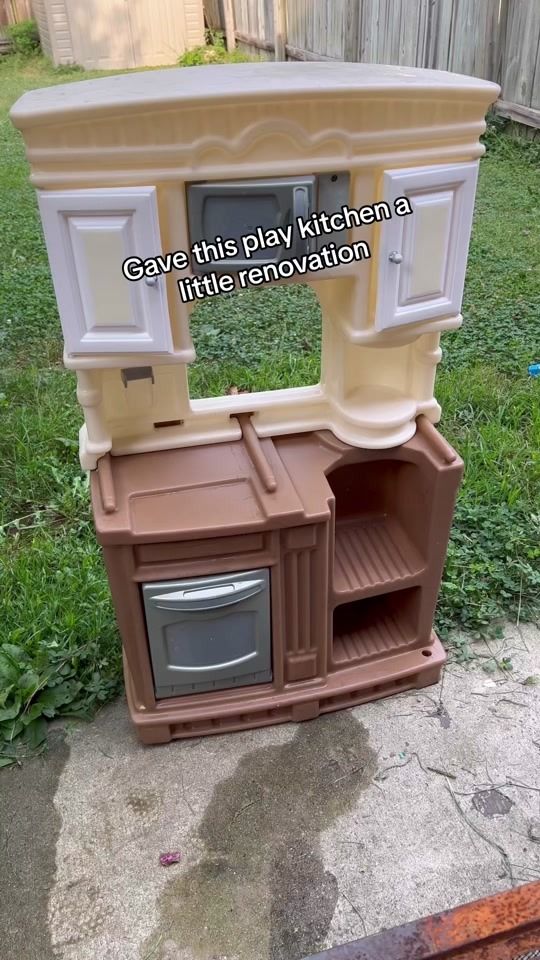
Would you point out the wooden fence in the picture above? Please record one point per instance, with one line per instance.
(494, 39)
(13, 11)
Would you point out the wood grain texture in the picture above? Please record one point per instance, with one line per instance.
(15, 11)
(494, 39)
(521, 59)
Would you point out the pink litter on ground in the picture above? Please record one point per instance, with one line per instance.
(167, 859)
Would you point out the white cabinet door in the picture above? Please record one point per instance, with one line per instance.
(423, 255)
(89, 233)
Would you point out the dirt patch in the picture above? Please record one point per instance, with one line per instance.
(491, 803)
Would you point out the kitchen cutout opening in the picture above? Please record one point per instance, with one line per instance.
(252, 340)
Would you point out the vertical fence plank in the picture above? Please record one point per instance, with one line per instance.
(501, 39)
(351, 30)
(370, 31)
(303, 24)
(212, 12)
(280, 29)
(521, 62)
(15, 11)
(267, 27)
(228, 14)
(331, 41)
(441, 50)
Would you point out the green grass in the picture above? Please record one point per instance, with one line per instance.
(213, 51)
(491, 407)
(59, 650)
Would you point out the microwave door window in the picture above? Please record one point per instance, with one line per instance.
(232, 210)
(233, 217)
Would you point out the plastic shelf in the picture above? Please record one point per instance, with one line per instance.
(373, 555)
(375, 628)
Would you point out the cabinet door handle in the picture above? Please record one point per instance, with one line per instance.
(151, 281)
(395, 257)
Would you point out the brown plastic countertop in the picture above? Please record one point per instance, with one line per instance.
(219, 489)
(196, 492)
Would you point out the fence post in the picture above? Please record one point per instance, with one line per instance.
(280, 29)
(499, 58)
(228, 14)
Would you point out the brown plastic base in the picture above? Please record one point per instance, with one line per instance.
(354, 541)
(251, 708)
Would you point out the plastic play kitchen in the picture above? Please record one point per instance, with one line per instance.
(275, 555)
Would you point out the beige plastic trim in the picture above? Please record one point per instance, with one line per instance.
(166, 128)
(245, 83)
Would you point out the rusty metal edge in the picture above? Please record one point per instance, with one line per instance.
(499, 927)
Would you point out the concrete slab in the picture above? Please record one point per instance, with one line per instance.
(29, 828)
(293, 838)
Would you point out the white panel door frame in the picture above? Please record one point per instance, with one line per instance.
(127, 215)
(445, 192)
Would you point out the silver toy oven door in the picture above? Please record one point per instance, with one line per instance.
(209, 633)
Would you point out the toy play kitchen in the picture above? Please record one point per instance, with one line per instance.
(275, 555)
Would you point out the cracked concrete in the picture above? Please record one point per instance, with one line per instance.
(293, 838)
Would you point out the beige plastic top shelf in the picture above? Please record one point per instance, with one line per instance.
(245, 81)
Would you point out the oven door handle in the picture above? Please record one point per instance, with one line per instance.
(208, 598)
(214, 667)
